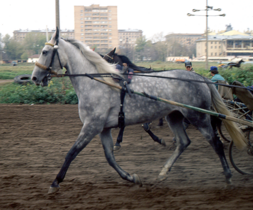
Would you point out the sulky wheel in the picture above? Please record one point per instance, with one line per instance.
(242, 160)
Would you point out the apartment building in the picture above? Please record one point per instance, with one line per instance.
(19, 35)
(97, 26)
(127, 38)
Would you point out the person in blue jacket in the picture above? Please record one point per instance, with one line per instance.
(215, 75)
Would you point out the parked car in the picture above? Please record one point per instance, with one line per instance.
(13, 63)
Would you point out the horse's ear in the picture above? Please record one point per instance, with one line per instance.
(113, 52)
(55, 37)
(57, 33)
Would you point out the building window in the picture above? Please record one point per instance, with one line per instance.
(238, 44)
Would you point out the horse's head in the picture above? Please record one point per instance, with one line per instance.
(50, 61)
(112, 57)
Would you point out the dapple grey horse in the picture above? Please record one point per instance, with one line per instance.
(99, 104)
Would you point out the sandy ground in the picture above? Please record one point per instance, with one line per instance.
(2, 82)
(36, 138)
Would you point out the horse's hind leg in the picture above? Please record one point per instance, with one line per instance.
(175, 121)
(146, 127)
(106, 139)
(210, 133)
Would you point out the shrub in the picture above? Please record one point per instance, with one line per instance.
(58, 91)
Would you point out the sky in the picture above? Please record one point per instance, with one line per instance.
(152, 17)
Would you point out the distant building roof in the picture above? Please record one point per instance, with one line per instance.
(228, 36)
(43, 30)
(129, 30)
(232, 33)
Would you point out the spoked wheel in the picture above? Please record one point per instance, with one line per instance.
(223, 133)
(242, 160)
(240, 113)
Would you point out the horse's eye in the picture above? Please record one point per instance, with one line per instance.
(44, 52)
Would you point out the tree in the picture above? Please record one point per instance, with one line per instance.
(33, 43)
(12, 48)
(140, 46)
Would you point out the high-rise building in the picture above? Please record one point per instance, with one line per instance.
(97, 26)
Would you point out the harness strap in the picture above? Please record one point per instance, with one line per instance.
(41, 66)
(121, 119)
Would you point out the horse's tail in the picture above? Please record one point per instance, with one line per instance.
(232, 128)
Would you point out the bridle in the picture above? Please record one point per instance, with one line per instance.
(106, 55)
(49, 68)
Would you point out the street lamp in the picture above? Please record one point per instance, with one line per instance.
(207, 9)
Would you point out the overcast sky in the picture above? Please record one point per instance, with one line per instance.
(152, 17)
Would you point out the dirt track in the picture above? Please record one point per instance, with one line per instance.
(35, 140)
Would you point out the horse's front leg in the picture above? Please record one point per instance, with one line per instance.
(107, 141)
(86, 135)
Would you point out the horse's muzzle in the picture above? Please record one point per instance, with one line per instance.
(43, 83)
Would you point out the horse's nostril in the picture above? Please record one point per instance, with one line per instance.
(34, 79)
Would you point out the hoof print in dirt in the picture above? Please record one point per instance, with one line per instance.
(23, 79)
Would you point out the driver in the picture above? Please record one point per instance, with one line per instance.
(188, 66)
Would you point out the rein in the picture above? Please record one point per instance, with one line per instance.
(162, 77)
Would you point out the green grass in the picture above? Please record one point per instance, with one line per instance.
(9, 72)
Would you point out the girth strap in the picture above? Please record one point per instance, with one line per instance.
(124, 89)
(121, 120)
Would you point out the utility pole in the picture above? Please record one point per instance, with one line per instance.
(46, 33)
(207, 8)
(57, 14)
(206, 34)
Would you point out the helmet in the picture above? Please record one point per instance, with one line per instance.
(188, 63)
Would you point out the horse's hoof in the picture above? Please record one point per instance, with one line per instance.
(137, 180)
(161, 178)
(229, 181)
(116, 147)
(53, 189)
(163, 142)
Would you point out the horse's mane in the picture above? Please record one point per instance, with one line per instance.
(125, 59)
(101, 65)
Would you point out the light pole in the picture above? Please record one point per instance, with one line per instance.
(207, 9)
(57, 14)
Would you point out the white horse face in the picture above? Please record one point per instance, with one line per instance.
(41, 69)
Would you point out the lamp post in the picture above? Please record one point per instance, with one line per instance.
(207, 9)
(57, 14)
